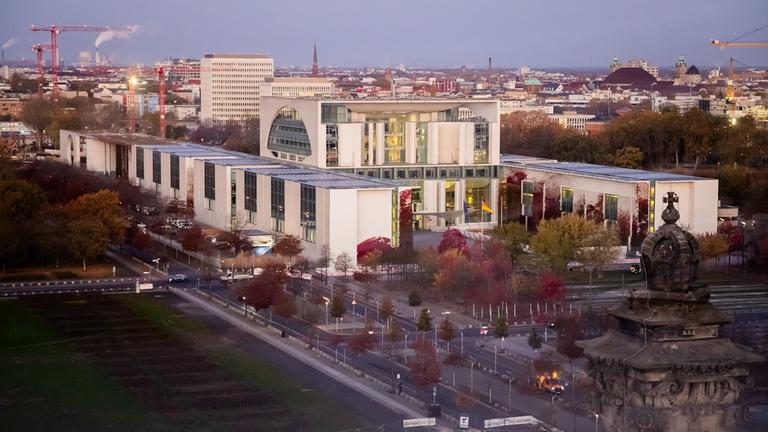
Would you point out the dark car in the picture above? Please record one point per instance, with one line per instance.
(177, 278)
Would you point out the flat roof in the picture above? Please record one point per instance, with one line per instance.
(593, 170)
(322, 178)
(126, 139)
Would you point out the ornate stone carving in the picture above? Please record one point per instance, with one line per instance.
(666, 367)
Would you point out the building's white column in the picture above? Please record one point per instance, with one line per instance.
(410, 142)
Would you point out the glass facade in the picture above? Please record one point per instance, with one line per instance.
(139, 162)
(332, 145)
(527, 192)
(250, 191)
(365, 145)
(175, 172)
(278, 204)
(481, 143)
(308, 204)
(566, 200)
(611, 212)
(156, 167)
(335, 113)
(288, 134)
(422, 134)
(477, 191)
(394, 140)
(209, 179)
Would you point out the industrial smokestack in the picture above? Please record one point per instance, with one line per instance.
(490, 63)
(98, 57)
(2, 56)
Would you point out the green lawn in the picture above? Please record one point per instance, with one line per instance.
(45, 385)
(324, 414)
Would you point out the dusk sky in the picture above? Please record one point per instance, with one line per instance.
(444, 33)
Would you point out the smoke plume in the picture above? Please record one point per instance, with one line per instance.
(9, 43)
(108, 35)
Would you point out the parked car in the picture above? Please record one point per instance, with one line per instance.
(635, 269)
(177, 278)
(229, 277)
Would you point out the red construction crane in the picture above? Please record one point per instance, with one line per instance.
(39, 49)
(131, 107)
(161, 98)
(55, 30)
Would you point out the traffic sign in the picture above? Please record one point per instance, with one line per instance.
(509, 421)
(463, 422)
(484, 330)
(419, 422)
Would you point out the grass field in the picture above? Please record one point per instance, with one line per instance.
(326, 415)
(47, 384)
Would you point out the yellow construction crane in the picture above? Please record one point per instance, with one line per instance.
(730, 92)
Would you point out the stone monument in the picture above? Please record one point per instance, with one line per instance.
(665, 367)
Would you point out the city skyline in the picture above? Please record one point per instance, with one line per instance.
(420, 34)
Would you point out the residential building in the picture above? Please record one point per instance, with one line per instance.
(14, 135)
(572, 120)
(444, 150)
(297, 87)
(11, 106)
(230, 86)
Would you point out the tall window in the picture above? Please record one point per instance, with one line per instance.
(209, 186)
(175, 173)
(331, 145)
(139, 162)
(394, 142)
(421, 142)
(527, 198)
(156, 167)
(611, 212)
(481, 143)
(308, 213)
(566, 200)
(250, 195)
(278, 205)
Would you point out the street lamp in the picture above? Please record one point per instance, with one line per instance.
(327, 301)
(597, 416)
(245, 305)
(405, 348)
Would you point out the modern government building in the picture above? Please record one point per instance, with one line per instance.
(335, 171)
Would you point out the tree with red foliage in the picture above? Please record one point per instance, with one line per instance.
(266, 289)
(406, 219)
(550, 288)
(286, 308)
(362, 342)
(453, 239)
(288, 246)
(425, 367)
(192, 239)
(139, 239)
(179, 208)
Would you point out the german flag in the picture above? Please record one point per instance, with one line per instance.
(485, 208)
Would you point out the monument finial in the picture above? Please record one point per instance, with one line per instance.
(670, 214)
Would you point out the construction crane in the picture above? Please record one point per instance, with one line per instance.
(730, 96)
(131, 107)
(54, 30)
(161, 98)
(39, 49)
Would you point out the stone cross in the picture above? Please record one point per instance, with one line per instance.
(671, 198)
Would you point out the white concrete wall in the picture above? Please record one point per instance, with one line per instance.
(449, 137)
(374, 214)
(343, 231)
(350, 137)
(698, 198)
